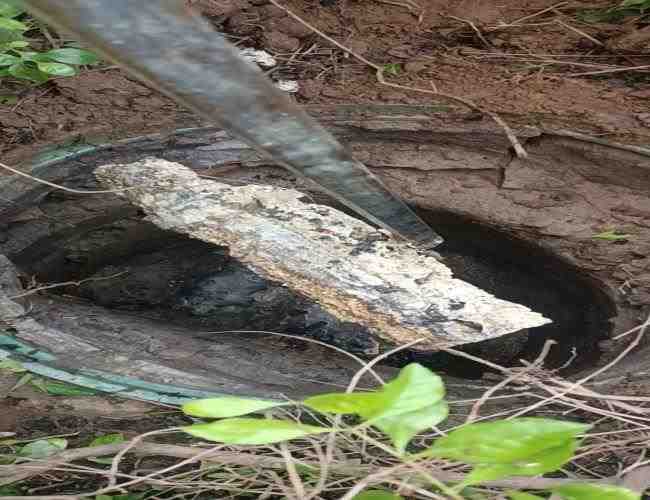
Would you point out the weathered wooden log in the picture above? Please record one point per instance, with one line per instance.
(353, 270)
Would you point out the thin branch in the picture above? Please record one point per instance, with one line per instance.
(607, 71)
(57, 186)
(513, 376)
(32, 291)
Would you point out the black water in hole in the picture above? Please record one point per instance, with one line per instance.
(514, 270)
(198, 285)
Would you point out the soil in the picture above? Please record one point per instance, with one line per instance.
(525, 70)
(521, 69)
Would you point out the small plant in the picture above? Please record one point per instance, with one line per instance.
(616, 13)
(392, 68)
(408, 405)
(19, 61)
(612, 235)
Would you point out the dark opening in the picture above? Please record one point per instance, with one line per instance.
(188, 282)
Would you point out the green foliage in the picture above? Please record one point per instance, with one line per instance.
(43, 448)
(517, 447)
(117, 437)
(61, 388)
(642, 5)
(17, 60)
(226, 407)
(612, 235)
(9, 491)
(252, 430)
(586, 491)
(409, 404)
(377, 495)
(11, 366)
(392, 68)
(617, 13)
(404, 407)
(102, 440)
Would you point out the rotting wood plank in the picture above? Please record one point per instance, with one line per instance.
(356, 272)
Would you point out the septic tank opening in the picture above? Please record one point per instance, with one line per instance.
(139, 268)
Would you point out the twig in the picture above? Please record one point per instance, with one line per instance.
(66, 283)
(543, 11)
(580, 32)
(519, 149)
(614, 70)
(119, 456)
(513, 376)
(476, 30)
(24, 471)
(294, 477)
(46, 33)
(594, 374)
(57, 186)
(367, 366)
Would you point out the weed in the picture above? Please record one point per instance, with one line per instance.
(20, 61)
(617, 13)
(401, 409)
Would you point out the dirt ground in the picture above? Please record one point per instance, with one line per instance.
(524, 59)
(511, 58)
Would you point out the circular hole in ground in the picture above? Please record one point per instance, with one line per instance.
(166, 276)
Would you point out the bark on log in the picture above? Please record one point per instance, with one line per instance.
(354, 271)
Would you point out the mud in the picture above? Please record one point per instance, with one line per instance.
(525, 251)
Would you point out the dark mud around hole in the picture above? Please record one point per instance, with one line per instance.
(167, 277)
(193, 284)
(521, 230)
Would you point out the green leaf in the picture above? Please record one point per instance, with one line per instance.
(57, 69)
(586, 491)
(7, 35)
(10, 365)
(393, 68)
(635, 3)
(18, 44)
(522, 495)
(506, 441)
(377, 495)
(8, 60)
(546, 461)
(226, 406)
(102, 440)
(117, 437)
(402, 428)
(403, 407)
(9, 491)
(71, 55)
(43, 448)
(415, 387)
(8, 100)
(62, 389)
(24, 71)
(340, 403)
(252, 431)
(12, 25)
(10, 10)
(25, 379)
(612, 235)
